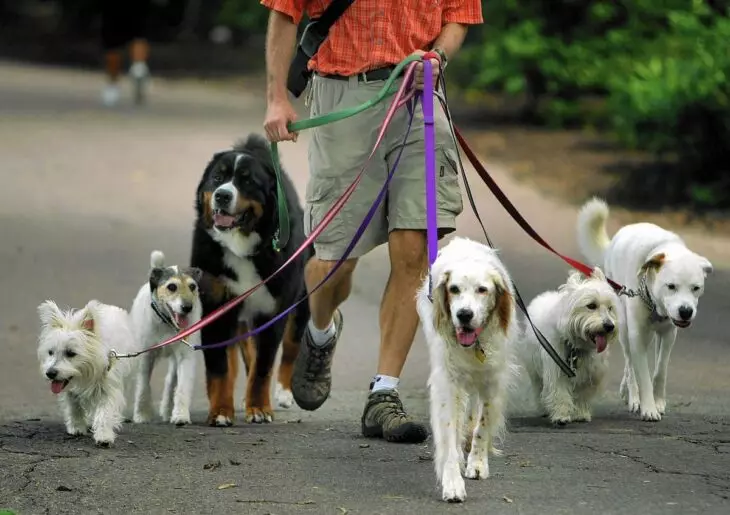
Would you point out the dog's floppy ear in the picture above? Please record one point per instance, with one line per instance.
(49, 314)
(707, 267)
(156, 277)
(654, 263)
(504, 303)
(575, 278)
(440, 298)
(194, 272)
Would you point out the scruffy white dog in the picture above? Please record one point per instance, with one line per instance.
(469, 326)
(669, 279)
(74, 351)
(168, 302)
(580, 320)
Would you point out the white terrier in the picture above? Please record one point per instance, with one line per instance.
(164, 305)
(468, 328)
(580, 320)
(669, 279)
(75, 354)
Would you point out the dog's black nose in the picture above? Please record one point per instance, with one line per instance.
(223, 197)
(608, 326)
(187, 308)
(685, 312)
(465, 315)
(51, 373)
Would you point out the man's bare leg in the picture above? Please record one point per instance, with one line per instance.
(384, 415)
(312, 376)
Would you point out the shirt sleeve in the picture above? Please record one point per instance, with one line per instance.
(293, 8)
(467, 12)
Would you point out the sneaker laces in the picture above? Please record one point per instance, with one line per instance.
(317, 356)
(394, 406)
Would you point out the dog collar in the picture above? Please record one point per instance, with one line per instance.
(645, 297)
(163, 316)
(480, 354)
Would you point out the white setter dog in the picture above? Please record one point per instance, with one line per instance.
(469, 326)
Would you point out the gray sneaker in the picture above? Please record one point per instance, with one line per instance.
(385, 417)
(312, 377)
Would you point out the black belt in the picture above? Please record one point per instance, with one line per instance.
(369, 76)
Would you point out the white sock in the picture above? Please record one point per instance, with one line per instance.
(381, 382)
(321, 337)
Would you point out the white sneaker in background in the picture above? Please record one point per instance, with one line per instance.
(140, 74)
(110, 95)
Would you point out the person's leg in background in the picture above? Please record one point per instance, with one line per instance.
(384, 411)
(336, 154)
(139, 49)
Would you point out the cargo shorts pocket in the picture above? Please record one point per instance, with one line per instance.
(447, 173)
(321, 194)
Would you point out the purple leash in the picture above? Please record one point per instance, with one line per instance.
(429, 141)
(358, 234)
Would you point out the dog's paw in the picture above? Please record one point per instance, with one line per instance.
(259, 415)
(180, 418)
(142, 417)
(284, 397)
(582, 415)
(453, 488)
(661, 405)
(75, 430)
(560, 419)
(477, 469)
(220, 421)
(650, 415)
(104, 439)
(634, 405)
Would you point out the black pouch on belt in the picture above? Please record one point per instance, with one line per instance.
(314, 34)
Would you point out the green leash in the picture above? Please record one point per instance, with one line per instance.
(281, 238)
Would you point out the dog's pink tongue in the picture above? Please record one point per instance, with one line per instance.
(181, 321)
(466, 337)
(222, 220)
(601, 343)
(57, 387)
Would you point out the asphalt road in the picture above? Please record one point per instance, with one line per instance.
(87, 193)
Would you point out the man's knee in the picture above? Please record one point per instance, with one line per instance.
(408, 251)
(317, 269)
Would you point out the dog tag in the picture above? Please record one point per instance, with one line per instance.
(480, 355)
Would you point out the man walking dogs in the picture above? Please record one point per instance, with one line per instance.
(361, 49)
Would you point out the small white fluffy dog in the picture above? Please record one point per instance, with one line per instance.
(468, 328)
(580, 320)
(168, 302)
(669, 279)
(74, 353)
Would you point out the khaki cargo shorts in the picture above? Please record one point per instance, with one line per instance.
(338, 151)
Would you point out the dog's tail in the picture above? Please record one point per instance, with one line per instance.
(592, 236)
(157, 259)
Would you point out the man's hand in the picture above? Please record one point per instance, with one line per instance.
(279, 113)
(418, 81)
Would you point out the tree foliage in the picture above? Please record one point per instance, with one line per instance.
(662, 67)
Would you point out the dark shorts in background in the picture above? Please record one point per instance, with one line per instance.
(122, 21)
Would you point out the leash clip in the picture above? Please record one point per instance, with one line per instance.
(627, 292)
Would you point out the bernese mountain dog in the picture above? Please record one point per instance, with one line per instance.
(233, 244)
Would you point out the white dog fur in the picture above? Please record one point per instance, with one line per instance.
(670, 278)
(469, 327)
(150, 330)
(581, 321)
(74, 347)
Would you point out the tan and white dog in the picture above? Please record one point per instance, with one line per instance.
(580, 319)
(469, 327)
(669, 279)
(167, 303)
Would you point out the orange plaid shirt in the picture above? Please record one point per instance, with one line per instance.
(377, 33)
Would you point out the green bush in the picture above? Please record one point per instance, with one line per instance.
(246, 15)
(662, 69)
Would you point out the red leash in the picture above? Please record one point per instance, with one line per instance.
(517, 217)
